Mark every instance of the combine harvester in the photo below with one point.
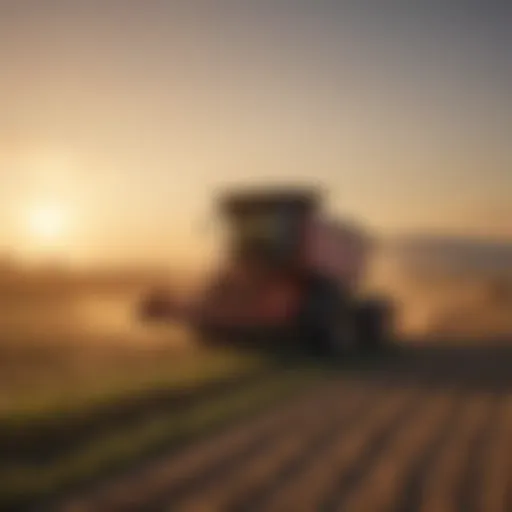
(290, 277)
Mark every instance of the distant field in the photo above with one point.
(83, 343)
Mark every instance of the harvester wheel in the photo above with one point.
(324, 323)
(373, 325)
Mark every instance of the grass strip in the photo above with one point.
(31, 484)
(72, 402)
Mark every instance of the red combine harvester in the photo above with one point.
(291, 276)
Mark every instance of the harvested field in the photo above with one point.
(428, 429)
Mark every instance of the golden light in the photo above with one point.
(46, 223)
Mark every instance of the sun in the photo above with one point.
(46, 223)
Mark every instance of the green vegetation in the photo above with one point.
(55, 403)
(167, 429)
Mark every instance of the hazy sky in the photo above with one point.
(124, 115)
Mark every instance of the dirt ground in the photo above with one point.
(428, 429)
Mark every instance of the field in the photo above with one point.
(72, 414)
(429, 429)
(98, 413)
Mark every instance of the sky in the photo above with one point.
(121, 118)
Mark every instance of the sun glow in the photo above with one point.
(46, 223)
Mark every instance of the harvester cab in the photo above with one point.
(267, 228)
